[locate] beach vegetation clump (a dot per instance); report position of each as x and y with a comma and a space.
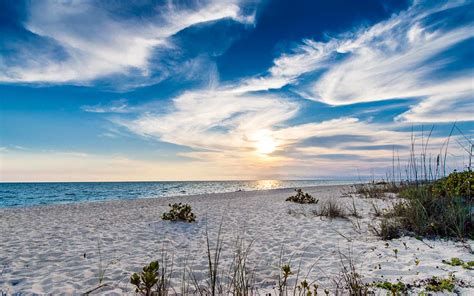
332, 209
436, 284
352, 279
458, 262
442, 208
395, 288
387, 229
147, 279
179, 212
304, 289
370, 190
302, 197
285, 272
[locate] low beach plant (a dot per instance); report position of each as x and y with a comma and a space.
442, 208
305, 289
395, 288
436, 284
351, 278
387, 229
179, 212
332, 209
302, 198
458, 262
146, 281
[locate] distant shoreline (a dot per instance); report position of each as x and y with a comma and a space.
14, 195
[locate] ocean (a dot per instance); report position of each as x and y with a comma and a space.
32, 194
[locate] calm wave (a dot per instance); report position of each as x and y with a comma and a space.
29, 194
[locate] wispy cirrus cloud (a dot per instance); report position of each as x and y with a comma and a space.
214, 119
397, 58
78, 42
409, 55
117, 106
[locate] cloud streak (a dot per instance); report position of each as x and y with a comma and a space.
406, 56
88, 43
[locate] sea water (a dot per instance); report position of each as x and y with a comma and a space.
30, 194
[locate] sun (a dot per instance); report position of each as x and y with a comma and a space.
265, 143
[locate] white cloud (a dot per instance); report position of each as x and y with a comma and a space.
117, 106
94, 44
453, 107
214, 119
396, 58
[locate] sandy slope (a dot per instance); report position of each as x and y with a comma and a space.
64, 248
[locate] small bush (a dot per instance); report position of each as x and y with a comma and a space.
457, 184
332, 209
437, 209
395, 288
147, 279
436, 284
302, 198
179, 212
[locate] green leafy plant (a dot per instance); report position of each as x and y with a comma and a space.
179, 212
455, 184
436, 284
394, 288
302, 197
458, 262
146, 279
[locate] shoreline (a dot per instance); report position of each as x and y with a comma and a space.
170, 197
64, 248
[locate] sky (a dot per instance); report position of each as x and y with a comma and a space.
231, 90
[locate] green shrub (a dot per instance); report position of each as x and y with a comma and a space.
458, 262
395, 288
436, 284
179, 212
457, 184
146, 279
302, 198
434, 210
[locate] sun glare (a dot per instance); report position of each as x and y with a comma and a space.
265, 143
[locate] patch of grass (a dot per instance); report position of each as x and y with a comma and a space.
351, 278
332, 209
387, 229
353, 210
302, 198
377, 189
370, 190
431, 211
179, 212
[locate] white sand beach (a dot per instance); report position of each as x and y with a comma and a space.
67, 248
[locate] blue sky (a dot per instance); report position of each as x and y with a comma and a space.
195, 90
